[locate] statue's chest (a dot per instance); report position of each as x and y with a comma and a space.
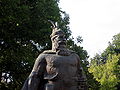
58, 61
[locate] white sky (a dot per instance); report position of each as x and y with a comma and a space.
97, 21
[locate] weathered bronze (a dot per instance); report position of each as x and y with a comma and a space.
56, 69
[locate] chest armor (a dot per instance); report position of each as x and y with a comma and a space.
60, 67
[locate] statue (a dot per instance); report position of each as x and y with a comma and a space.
56, 69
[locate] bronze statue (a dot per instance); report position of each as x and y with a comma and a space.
56, 69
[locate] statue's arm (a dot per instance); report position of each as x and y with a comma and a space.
35, 77
79, 68
81, 76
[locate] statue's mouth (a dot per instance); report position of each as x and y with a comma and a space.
62, 43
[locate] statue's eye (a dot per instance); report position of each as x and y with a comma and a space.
61, 36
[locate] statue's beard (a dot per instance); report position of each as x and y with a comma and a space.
60, 48
60, 45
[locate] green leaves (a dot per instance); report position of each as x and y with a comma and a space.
21, 22
106, 67
105, 73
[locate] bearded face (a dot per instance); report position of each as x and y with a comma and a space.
59, 41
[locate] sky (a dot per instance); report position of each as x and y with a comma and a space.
97, 21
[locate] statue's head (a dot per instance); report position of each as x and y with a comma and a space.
58, 39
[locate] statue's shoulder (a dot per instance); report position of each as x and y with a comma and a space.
71, 51
65, 52
48, 52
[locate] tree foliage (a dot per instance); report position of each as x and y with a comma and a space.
24, 33
113, 48
75, 46
107, 74
105, 67
24, 25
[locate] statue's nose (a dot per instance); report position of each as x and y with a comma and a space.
63, 39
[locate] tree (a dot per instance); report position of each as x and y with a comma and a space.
113, 48
107, 74
105, 67
24, 25
74, 45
